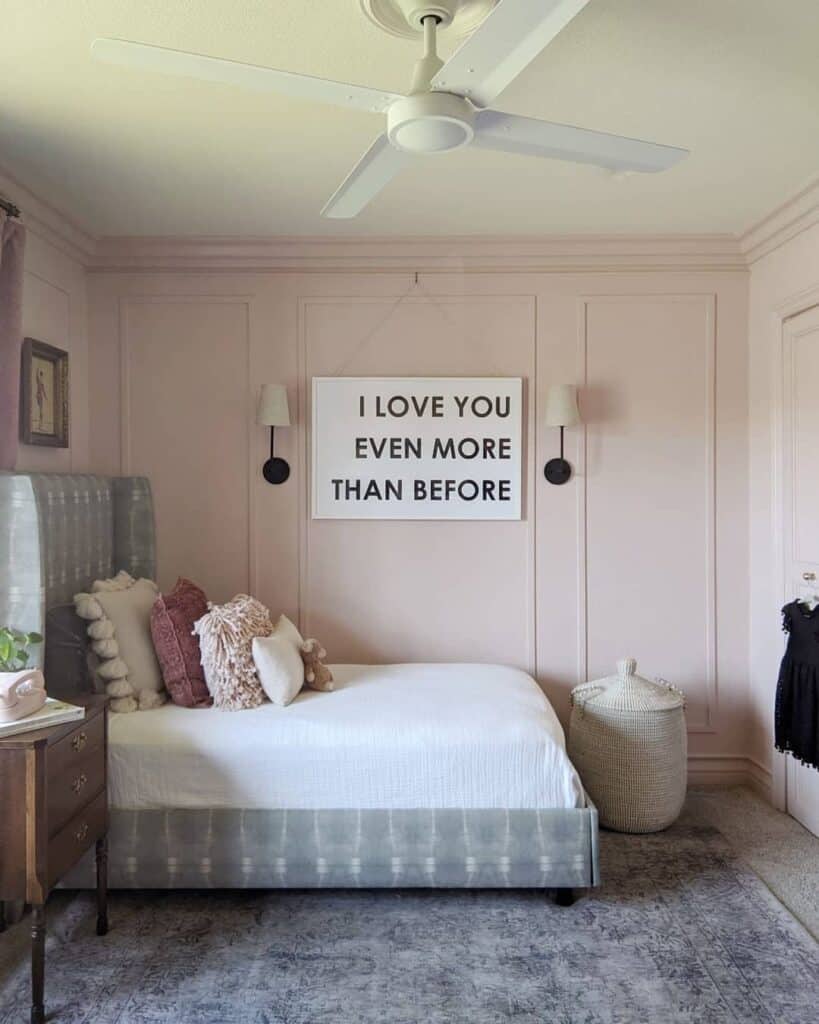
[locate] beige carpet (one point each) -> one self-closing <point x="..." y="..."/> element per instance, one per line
<point x="774" y="845"/>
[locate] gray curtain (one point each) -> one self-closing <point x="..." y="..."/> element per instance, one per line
<point x="12" y="245"/>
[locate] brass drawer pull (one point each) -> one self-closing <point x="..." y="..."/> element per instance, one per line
<point x="81" y="832"/>
<point x="79" y="742"/>
<point x="808" y="576"/>
<point x="79" y="782"/>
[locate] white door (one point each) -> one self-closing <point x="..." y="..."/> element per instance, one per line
<point x="801" y="519"/>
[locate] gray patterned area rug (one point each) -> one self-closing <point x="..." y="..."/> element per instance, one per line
<point x="680" y="931"/>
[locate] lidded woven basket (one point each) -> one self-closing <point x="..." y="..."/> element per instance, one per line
<point x="627" y="739"/>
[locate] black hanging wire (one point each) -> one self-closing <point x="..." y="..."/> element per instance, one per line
<point x="8" y="206"/>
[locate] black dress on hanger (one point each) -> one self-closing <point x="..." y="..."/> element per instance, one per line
<point x="797" y="692"/>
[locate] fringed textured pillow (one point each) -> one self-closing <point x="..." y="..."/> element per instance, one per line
<point x="226" y="639"/>
<point x="118" y="612"/>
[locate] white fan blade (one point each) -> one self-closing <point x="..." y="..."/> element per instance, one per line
<point x="231" y="72"/>
<point x="509" y="38"/>
<point x="374" y="170"/>
<point x="531" y="137"/>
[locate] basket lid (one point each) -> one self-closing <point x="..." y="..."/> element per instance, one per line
<point x="627" y="691"/>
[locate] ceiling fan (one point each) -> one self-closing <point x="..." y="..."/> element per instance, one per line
<point x="448" y="104"/>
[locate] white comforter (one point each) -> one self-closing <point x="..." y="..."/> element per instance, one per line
<point x="389" y="736"/>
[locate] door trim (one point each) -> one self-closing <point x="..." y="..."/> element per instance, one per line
<point x="795" y="305"/>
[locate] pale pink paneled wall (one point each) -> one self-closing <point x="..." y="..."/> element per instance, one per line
<point x="649" y="489"/>
<point x="782" y="282"/>
<point x="185" y="390"/>
<point x="409" y="591"/>
<point x="645" y="552"/>
<point x="55" y="311"/>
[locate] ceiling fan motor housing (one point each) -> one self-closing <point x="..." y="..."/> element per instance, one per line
<point x="430" y="122"/>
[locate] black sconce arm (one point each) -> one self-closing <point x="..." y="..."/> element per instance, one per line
<point x="275" y="470"/>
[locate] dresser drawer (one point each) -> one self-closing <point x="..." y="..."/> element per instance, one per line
<point x="64" y="756"/>
<point x="73" y="785"/>
<point x="71" y="842"/>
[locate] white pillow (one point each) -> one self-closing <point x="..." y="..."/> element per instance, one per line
<point x="285" y="629"/>
<point x="279" y="667"/>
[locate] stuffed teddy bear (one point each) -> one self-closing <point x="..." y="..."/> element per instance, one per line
<point x="316" y="675"/>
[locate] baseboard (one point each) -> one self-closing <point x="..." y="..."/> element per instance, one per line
<point x="729" y="770"/>
<point x="760" y="779"/>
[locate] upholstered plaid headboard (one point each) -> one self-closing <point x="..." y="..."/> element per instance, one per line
<point x="61" y="531"/>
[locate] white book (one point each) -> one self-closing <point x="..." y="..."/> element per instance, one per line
<point x="53" y="712"/>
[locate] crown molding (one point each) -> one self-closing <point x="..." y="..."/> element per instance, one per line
<point x="799" y="213"/>
<point x="553" y="254"/>
<point x="49" y="223"/>
<point x="558" y="254"/>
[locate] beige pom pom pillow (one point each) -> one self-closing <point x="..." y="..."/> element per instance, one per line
<point x="226" y="638"/>
<point x="118" y="613"/>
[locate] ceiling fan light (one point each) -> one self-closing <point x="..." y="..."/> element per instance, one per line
<point x="430" y="135"/>
<point x="433" y="122"/>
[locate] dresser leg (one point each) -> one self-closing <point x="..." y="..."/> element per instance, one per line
<point x="37" y="963"/>
<point x="102" y="886"/>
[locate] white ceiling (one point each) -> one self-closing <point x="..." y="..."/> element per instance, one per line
<point x="125" y="153"/>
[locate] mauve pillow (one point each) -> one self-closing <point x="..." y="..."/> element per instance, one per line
<point x="177" y="646"/>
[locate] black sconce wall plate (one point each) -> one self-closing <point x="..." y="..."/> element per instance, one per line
<point x="557" y="471"/>
<point x="275" y="471"/>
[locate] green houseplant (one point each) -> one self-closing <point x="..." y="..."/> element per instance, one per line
<point x="14" y="649"/>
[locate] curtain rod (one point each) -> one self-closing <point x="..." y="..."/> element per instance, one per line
<point x="9" y="207"/>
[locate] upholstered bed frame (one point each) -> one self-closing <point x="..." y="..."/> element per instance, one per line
<point x="58" y="532"/>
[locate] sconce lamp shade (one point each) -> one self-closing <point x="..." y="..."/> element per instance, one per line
<point x="561" y="406"/>
<point x="273" y="410"/>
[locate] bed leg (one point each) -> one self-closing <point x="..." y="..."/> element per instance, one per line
<point x="564" y="897"/>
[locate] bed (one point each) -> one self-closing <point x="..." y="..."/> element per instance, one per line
<point x="405" y="775"/>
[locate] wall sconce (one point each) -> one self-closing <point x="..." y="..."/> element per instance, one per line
<point x="273" y="411"/>
<point x="561" y="411"/>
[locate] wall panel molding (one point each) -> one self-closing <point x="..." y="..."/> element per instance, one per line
<point x="304" y="418"/>
<point x="53" y="459"/>
<point x="708" y="303"/>
<point x="244" y="301"/>
<point x="535" y="327"/>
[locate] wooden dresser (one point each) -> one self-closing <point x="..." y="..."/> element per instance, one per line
<point x="53" y="807"/>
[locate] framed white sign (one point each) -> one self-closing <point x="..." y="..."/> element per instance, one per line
<point x="417" y="447"/>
